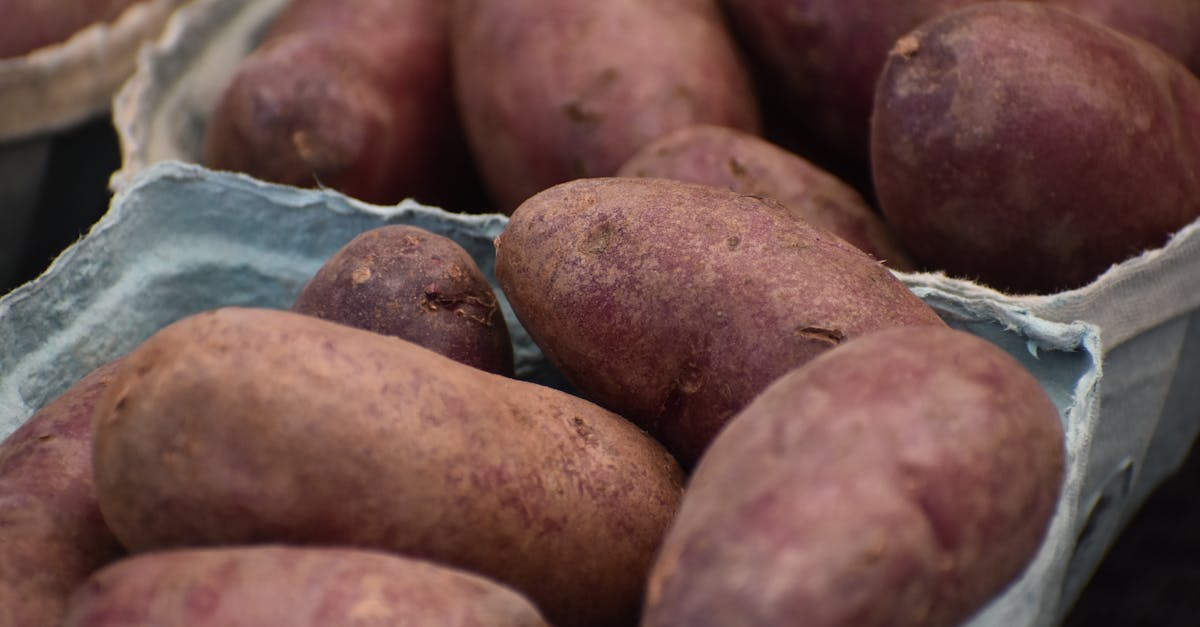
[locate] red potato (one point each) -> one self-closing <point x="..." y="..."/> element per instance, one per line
<point x="248" y="426"/>
<point x="827" y="55"/>
<point x="746" y="164"/>
<point x="292" y="586"/>
<point x="355" y="96"/>
<point x="562" y="89"/>
<point x="28" y="25"/>
<point x="902" y="479"/>
<point x="52" y="535"/>
<point x="1030" y="149"/>
<point x="410" y="283"/>
<point x="675" y="304"/>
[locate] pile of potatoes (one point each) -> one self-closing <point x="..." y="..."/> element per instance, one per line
<point x="765" y="426"/>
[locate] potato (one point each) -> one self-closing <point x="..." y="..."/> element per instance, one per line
<point x="827" y="55"/>
<point x="674" y="304"/>
<point x="245" y="425"/>
<point x="552" y="91"/>
<point x="416" y="285"/>
<point x="51" y="533"/>
<point x="32" y="24"/>
<point x="747" y="164"/>
<point x="1030" y="149"/>
<point x="354" y="96"/>
<point x="903" y="478"/>
<point x="297" y="587"/>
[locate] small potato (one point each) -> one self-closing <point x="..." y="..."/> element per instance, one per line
<point x="416" y="285"/>
<point x="248" y="425"/>
<point x="51" y="533"/>
<point x="292" y="586"/>
<point x="31" y="24"/>
<point x="1030" y="149"/>
<point x="556" y="90"/>
<point x="675" y="304"/>
<point x="901" y="479"/>
<point x="725" y="157"/>
<point x="355" y="96"/>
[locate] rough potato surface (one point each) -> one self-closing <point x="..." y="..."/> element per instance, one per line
<point x="674" y="304"/>
<point x="902" y="479"/>
<point x="292" y="586"/>
<point x="407" y="282"/>
<point x="562" y="89"/>
<point x="1031" y="149"/>
<point x="356" y="96"/>
<point x="247" y="426"/>
<point x="729" y="158"/>
<point x="51" y="533"/>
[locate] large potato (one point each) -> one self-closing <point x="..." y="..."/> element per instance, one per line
<point x="901" y="479"/>
<point x="674" y="304"/>
<point x="405" y="281"/>
<point x="51" y="533"/>
<point x="726" y="157"/>
<point x="1029" y="148"/>
<point x="827" y="55"/>
<point x="246" y="425"/>
<point x="356" y="96"/>
<point x="293" y="587"/>
<point x="560" y="89"/>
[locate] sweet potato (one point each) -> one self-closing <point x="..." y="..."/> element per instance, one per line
<point x="51" y="533"/>
<point x="246" y="425"/>
<point x="355" y="96"/>
<point x="552" y="91"/>
<point x="31" y="24"/>
<point x="416" y="285"/>
<point x="674" y="304"/>
<point x="1030" y="148"/>
<point x="902" y="479"/>
<point x="747" y="164"/>
<point x="297" y="587"/>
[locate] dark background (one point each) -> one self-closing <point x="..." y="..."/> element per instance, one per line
<point x="1151" y="577"/>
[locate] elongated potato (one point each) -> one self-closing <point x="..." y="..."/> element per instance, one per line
<point x="356" y="96"/>
<point x="416" y="285"/>
<point x="553" y="90"/>
<point x="51" y="533"/>
<point x="292" y="586"/>
<point x="901" y="479"/>
<point x="674" y="304"/>
<point x="247" y="425"/>
<point x="1031" y="149"/>
<point x="729" y="158"/>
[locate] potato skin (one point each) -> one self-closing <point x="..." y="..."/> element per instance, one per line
<point x="674" y="304"/>
<point x="903" y="478"/>
<point x="827" y="55"/>
<point x="245" y="425"/>
<point x="299" y="587"/>
<point x="354" y="96"/>
<point x="552" y="91"/>
<point x="407" y="282"/>
<point x="1030" y="149"/>
<point x="729" y="158"/>
<point x="51" y="533"/>
<point x="32" y="24"/>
